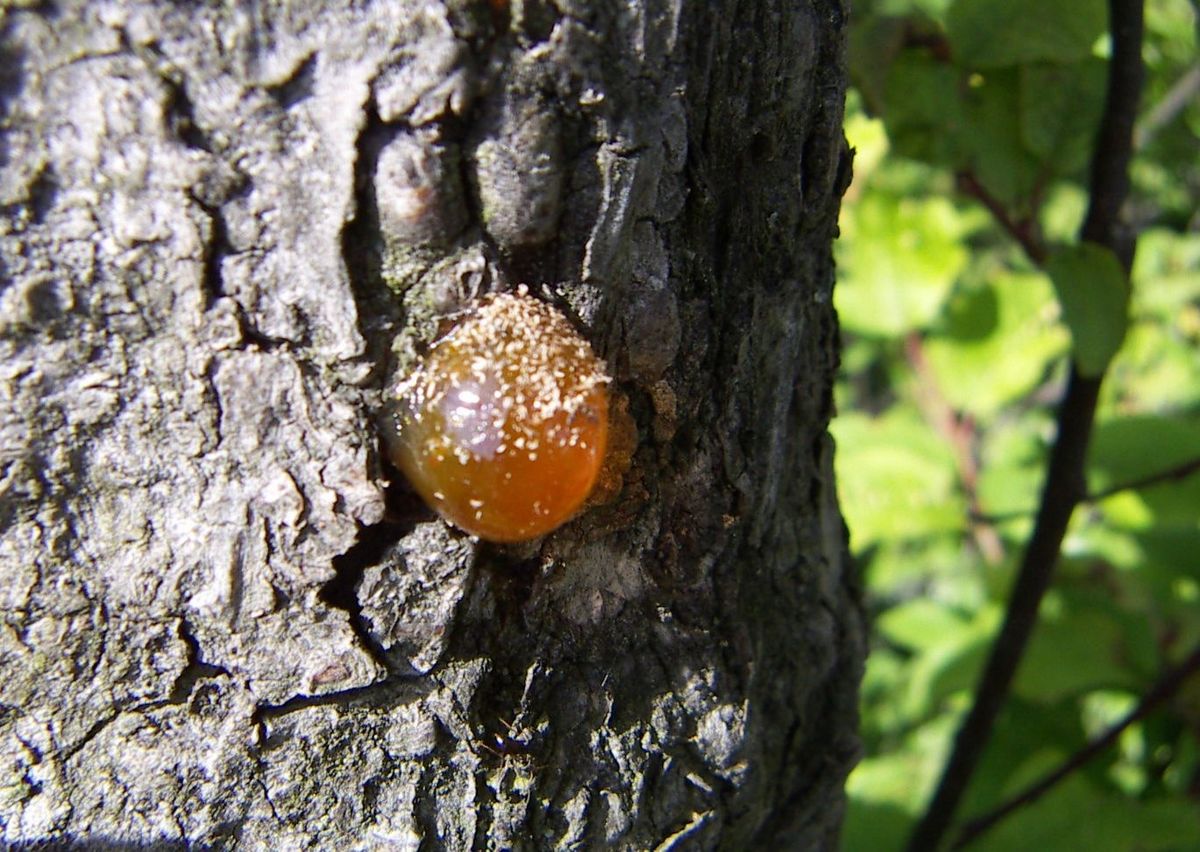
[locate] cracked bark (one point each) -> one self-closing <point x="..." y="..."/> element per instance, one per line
<point x="226" y="228"/>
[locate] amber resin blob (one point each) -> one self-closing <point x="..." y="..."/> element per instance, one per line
<point x="502" y="428"/>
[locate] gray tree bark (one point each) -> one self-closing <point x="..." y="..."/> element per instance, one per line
<point x="227" y="228"/>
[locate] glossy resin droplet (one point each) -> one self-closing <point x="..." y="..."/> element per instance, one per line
<point x="502" y="429"/>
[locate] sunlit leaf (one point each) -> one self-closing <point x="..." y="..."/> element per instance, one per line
<point x="921" y="623"/>
<point x="897" y="263"/>
<point x="896" y="480"/>
<point x="996" y="344"/>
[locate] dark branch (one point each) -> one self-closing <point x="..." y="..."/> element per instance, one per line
<point x="1065" y="484"/>
<point x="1062" y="491"/>
<point x="1114" y="139"/>
<point x="1164" y="689"/>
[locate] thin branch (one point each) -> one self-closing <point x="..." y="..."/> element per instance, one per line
<point x="1114" y="140"/>
<point x="1170" y="474"/>
<point x="1165" y="688"/>
<point x="1065" y="484"/>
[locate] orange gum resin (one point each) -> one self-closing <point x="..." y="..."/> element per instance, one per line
<point x="502" y="429"/>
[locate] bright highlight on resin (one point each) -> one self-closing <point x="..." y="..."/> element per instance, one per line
<point x="502" y="428"/>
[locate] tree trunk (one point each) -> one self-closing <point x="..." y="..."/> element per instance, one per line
<point x="227" y="229"/>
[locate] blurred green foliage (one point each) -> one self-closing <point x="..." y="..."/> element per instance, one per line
<point x="963" y="293"/>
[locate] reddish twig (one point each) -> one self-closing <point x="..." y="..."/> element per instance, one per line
<point x="960" y="432"/>
<point x="1024" y="231"/>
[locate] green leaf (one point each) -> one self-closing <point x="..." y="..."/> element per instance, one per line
<point x="1077" y="814"/>
<point x="875" y="826"/>
<point x="1131" y="448"/>
<point x="1025" y="740"/>
<point x="1085" y="648"/>
<point x="904" y="778"/>
<point x="886" y="671"/>
<point x="997" y="344"/>
<point x="989" y="33"/>
<point x="906" y="255"/>
<point x="898" y="8"/>
<point x="954" y="665"/>
<point x="1061" y="213"/>
<point x="897" y="481"/>
<point x="888" y="780"/>
<point x="1012" y="467"/>
<point x="923" y="108"/>
<point x="873" y="45"/>
<point x="1171" y="552"/>
<point x="920" y="624"/>
<point x="1166" y="270"/>
<point x="1060" y="110"/>
<point x="933" y="563"/>
<point x="868" y="138"/>
<point x="1094" y="295"/>
<point x="1158" y="368"/>
<point x="990" y="144"/>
